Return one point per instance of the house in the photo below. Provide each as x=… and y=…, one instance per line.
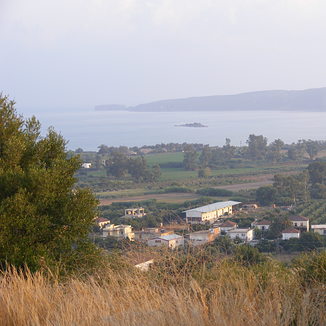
x=261, y=225
x=210, y=213
x=119, y=232
x=202, y=237
x=242, y=234
x=135, y=212
x=227, y=225
x=290, y=233
x=300, y=222
x=319, y=228
x=171, y=241
x=101, y=222
x=86, y=165
x=150, y=233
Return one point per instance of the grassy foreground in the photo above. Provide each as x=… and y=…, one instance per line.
x=177, y=291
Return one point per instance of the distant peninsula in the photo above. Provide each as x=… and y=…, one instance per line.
x=192, y=125
x=309, y=100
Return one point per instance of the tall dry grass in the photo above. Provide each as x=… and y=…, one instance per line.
x=225, y=294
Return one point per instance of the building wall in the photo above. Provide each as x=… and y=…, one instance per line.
x=287, y=236
x=320, y=231
x=301, y=224
x=246, y=236
x=207, y=216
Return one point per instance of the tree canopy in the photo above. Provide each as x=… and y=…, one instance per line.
x=43, y=218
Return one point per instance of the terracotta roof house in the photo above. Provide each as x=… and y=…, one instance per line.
x=228, y=225
x=300, y=222
x=290, y=233
x=262, y=225
x=101, y=221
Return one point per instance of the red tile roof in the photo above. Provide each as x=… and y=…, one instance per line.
x=101, y=219
x=227, y=224
x=263, y=222
x=298, y=218
x=291, y=230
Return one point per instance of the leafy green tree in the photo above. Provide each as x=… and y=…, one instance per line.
x=274, y=150
x=204, y=173
x=312, y=148
x=257, y=147
x=293, y=187
x=317, y=172
x=266, y=195
x=43, y=218
x=117, y=164
x=228, y=149
x=190, y=157
x=205, y=156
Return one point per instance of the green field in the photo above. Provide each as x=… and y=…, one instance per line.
x=160, y=158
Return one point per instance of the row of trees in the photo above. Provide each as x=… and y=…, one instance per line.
x=119, y=164
x=291, y=189
x=257, y=149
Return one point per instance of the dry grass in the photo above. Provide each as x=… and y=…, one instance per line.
x=226, y=295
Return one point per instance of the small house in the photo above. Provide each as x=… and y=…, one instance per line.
x=150, y=233
x=204, y=236
x=102, y=222
x=300, y=222
x=290, y=233
x=242, y=234
x=171, y=241
x=261, y=225
x=135, y=212
x=86, y=165
x=119, y=232
x=319, y=228
x=227, y=226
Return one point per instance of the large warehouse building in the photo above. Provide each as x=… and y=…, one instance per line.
x=210, y=213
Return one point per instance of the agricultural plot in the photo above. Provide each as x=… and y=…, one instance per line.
x=315, y=210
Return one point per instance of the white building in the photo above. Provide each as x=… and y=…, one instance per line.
x=210, y=213
x=119, y=232
x=135, y=212
x=261, y=225
x=171, y=241
x=227, y=226
x=319, y=228
x=300, y=222
x=202, y=237
x=86, y=165
x=102, y=222
x=290, y=233
x=242, y=234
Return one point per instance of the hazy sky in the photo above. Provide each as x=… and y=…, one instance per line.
x=77, y=53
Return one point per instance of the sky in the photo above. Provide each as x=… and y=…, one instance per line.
x=81, y=53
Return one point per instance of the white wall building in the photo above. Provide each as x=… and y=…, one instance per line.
x=210, y=213
x=86, y=165
x=261, y=225
x=300, y=222
x=119, y=232
x=319, y=228
x=290, y=233
x=171, y=241
x=202, y=237
x=242, y=234
x=227, y=226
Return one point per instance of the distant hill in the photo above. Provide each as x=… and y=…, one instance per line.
x=276, y=100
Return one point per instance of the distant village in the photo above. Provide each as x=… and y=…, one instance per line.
x=216, y=218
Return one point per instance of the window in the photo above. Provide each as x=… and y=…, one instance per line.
x=157, y=241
